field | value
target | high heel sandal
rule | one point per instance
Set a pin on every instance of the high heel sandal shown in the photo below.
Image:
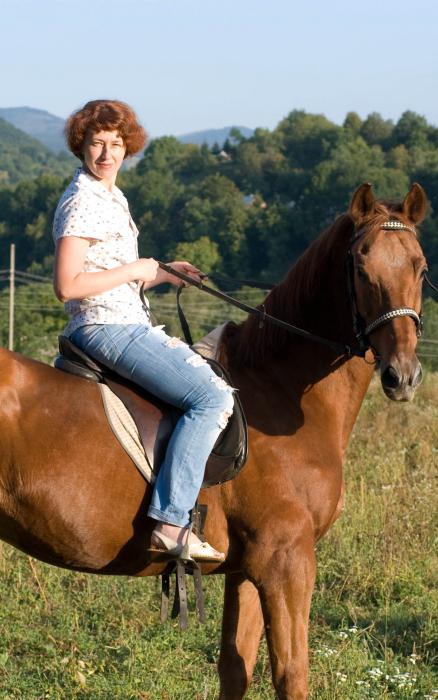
(193, 551)
(203, 552)
(170, 547)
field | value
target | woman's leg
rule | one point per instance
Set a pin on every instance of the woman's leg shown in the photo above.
(170, 370)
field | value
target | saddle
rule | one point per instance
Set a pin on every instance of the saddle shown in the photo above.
(155, 420)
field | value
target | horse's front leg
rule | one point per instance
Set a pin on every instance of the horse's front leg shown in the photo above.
(241, 630)
(284, 573)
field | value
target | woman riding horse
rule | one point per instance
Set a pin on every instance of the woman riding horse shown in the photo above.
(97, 275)
(70, 495)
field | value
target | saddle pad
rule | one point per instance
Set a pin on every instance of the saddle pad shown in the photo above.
(124, 428)
(144, 428)
(208, 346)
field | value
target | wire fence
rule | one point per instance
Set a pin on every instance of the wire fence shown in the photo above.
(206, 313)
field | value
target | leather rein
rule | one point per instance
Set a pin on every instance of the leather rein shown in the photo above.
(361, 329)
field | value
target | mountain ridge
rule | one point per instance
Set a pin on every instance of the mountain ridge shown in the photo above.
(41, 125)
(22, 156)
(48, 129)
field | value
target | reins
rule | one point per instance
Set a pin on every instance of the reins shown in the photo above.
(261, 313)
(361, 330)
(243, 283)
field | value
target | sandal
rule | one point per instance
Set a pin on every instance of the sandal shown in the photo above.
(170, 547)
(202, 551)
(194, 551)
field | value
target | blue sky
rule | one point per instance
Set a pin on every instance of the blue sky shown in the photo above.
(187, 65)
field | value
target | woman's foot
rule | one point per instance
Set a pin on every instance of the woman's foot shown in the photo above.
(180, 541)
(174, 532)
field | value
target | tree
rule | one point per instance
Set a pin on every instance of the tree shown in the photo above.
(236, 135)
(215, 208)
(27, 211)
(335, 179)
(163, 154)
(352, 123)
(398, 157)
(202, 252)
(376, 130)
(411, 130)
(306, 138)
(39, 319)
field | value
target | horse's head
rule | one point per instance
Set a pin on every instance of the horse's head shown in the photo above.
(388, 266)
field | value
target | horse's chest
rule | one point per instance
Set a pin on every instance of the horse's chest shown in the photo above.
(292, 474)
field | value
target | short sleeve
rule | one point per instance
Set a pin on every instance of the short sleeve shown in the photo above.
(80, 215)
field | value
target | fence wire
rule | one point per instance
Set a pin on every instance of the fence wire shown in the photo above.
(208, 314)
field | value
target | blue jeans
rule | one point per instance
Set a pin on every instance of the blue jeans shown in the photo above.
(170, 370)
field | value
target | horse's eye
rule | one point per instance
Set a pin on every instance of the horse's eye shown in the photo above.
(362, 275)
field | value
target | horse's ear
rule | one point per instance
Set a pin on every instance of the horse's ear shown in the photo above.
(415, 204)
(362, 204)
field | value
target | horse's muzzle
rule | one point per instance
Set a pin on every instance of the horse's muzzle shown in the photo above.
(399, 381)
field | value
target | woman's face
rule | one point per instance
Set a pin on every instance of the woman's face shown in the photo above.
(103, 153)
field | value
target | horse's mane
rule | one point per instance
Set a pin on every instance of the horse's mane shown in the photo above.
(250, 345)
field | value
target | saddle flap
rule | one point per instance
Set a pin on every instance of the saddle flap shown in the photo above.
(155, 420)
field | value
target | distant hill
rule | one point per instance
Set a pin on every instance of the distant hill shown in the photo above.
(48, 129)
(22, 156)
(212, 136)
(42, 125)
(30, 137)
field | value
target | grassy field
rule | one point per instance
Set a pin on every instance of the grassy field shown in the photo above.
(374, 617)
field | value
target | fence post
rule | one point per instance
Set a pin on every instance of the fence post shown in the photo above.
(11, 296)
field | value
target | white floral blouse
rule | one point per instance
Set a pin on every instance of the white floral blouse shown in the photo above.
(87, 209)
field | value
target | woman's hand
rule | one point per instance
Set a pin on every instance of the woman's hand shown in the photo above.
(147, 271)
(187, 269)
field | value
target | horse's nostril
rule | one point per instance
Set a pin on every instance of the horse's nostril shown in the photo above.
(391, 378)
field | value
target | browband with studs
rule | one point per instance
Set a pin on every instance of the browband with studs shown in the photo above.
(394, 224)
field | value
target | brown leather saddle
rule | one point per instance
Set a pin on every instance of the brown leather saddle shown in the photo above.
(230, 451)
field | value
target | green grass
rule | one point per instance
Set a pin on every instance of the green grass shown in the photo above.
(374, 620)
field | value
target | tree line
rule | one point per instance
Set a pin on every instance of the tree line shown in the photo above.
(250, 208)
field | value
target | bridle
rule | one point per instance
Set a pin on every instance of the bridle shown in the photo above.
(362, 331)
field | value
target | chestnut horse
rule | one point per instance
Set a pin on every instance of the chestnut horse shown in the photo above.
(70, 496)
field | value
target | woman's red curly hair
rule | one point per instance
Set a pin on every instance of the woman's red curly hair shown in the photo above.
(105, 115)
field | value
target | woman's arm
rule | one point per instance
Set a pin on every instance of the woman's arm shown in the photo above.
(70, 282)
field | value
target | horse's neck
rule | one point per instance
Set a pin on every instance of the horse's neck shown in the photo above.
(313, 296)
(326, 310)
(317, 286)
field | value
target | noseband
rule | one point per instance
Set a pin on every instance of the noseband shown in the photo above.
(361, 330)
